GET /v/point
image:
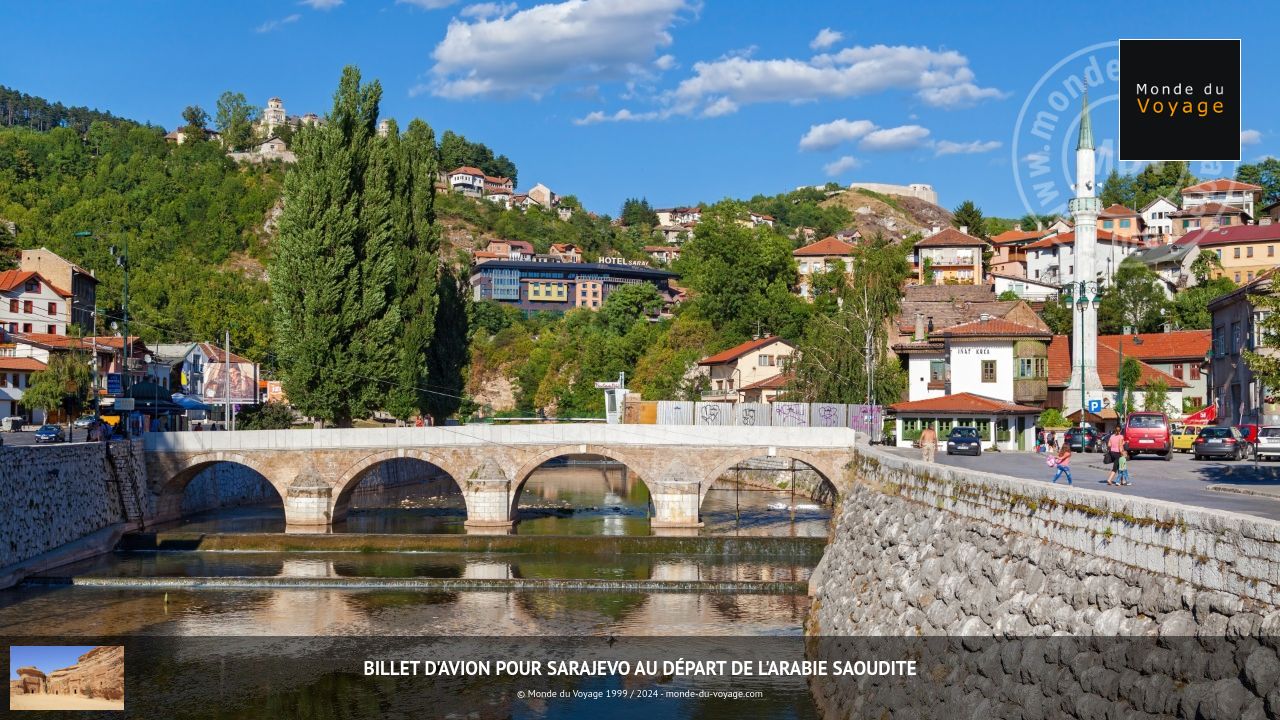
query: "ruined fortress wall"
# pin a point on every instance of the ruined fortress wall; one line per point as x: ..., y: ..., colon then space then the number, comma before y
x: 995, y: 565
x: 57, y: 494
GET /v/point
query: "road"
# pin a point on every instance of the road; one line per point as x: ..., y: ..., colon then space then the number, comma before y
x: 28, y: 437
x: 1181, y: 480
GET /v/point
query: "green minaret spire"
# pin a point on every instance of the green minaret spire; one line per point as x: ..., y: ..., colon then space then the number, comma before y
x: 1086, y: 127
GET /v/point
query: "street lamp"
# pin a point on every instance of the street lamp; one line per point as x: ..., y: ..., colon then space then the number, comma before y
x: 122, y: 261
x: 1083, y: 295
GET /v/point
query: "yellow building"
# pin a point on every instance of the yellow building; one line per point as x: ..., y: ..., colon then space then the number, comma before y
x: 1246, y: 251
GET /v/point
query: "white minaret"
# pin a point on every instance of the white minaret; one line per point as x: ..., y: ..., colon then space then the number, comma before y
x: 1084, y: 336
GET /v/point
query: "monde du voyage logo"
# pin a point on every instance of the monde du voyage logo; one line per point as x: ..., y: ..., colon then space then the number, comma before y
x: 1179, y: 100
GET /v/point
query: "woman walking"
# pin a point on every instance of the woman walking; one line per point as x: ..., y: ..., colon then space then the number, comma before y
x: 1063, y: 464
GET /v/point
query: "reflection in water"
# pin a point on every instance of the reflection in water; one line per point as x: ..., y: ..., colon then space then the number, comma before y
x: 581, y: 496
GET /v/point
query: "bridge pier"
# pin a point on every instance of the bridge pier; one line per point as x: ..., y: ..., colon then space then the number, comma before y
x: 490, y: 506
x: 309, y: 506
x: 677, y: 495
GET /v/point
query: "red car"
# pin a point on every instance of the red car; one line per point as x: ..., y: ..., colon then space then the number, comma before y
x: 1148, y: 432
x: 1250, y: 433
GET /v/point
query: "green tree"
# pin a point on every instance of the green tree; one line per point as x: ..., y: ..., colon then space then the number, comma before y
x: 1189, y: 309
x: 234, y: 120
x: 267, y: 416
x: 844, y: 356
x: 1118, y: 189
x: 1265, y: 173
x: 1129, y: 376
x: 1057, y: 316
x: 196, y: 120
x: 1135, y: 298
x: 1008, y: 295
x: 1264, y: 361
x: 332, y: 279
x: 1155, y: 396
x: 628, y: 305
x: 967, y: 215
x: 449, y: 353
x: 637, y: 211
x: 65, y: 384
x: 742, y: 276
x: 1205, y: 265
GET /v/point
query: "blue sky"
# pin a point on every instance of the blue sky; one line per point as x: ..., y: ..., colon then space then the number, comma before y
x: 678, y: 101
x: 46, y: 658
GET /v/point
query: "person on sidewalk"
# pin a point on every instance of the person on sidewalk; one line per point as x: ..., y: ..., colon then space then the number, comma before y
x: 928, y: 443
x: 1122, y: 463
x: 1115, y: 449
x: 1063, y: 464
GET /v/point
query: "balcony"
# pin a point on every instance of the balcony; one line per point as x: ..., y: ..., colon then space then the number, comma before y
x: 720, y: 396
x: 1030, y: 390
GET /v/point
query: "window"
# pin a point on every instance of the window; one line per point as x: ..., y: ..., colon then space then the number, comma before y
x: 765, y: 361
x: 1106, y: 224
x: 1248, y: 252
x: 26, y: 327
x: 1271, y: 251
x: 13, y: 305
x: 1177, y: 370
x: 28, y: 307
x: 1235, y: 338
x: 32, y: 286
x: 1249, y: 275
x: 937, y: 371
x: 1237, y: 277
x: 1226, y: 220
x: 1195, y: 371
x: 1219, y: 341
x: 1124, y: 223
x: 53, y: 329
x: 988, y: 371
x: 1235, y: 253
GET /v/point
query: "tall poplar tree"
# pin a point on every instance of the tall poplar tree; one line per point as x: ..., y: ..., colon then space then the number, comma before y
x: 325, y: 287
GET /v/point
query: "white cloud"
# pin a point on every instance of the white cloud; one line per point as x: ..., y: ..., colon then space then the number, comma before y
x: 270, y: 25
x: 829, y: 135
x: 623, y: 115
x: 534, y: 50
x: 487, y: 10
x: 666, y: 62
x: 902, y: 137
x: 1250, y: 137
x: 428, y: 4
x: 722, y: 106
x: 825, y: 38
x: 947, y: 147
x: 940, y: 78
x: 844, y: 164
x: 321, y: 4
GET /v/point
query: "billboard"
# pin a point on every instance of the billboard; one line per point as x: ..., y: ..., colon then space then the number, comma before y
x: 243, y: 380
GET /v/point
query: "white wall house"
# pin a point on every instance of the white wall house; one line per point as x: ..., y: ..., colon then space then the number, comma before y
x: 467, y: 180
x: 1157, y: 219
x: 1052, y: 260
x: 1223, y: 191
x: 1025, y: 288
x: 31, y: 304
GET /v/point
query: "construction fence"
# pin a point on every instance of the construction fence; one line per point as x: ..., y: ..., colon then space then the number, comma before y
x: 865, y: 418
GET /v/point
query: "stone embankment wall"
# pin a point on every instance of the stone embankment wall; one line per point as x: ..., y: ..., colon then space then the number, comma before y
x: 1000, y: 564
x: 54, y: 495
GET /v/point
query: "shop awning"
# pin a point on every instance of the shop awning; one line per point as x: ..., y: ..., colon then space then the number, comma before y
x: 188, y: 403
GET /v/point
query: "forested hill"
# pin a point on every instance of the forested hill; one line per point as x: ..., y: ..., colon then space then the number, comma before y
x: 20, y: 109
x: 194, y: 222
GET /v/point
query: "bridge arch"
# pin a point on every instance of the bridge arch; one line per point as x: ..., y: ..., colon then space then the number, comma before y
x: 351, y: 477
x: 826, y: 471
x: 171, y: 489
x: 632, y: 463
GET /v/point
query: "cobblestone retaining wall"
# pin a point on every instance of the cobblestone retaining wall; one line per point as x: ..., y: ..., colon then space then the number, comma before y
x: 53, y: 495
x: 930, y: 550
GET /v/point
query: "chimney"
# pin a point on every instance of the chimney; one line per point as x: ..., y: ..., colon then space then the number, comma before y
x: 984, y: 317
x: 1039, y: 225
x: 964, y: 229
x: 1018, y: 227
x: 936, y: 230
x: 920, y: 331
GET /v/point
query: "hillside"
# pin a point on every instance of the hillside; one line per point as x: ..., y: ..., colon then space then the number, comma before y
x: 897, y: 216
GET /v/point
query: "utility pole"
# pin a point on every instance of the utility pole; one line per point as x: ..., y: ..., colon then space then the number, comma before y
x: 229, y: 418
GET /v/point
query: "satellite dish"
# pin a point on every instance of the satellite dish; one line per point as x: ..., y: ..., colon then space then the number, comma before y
x: 147, y: 357
x: 115, y: 326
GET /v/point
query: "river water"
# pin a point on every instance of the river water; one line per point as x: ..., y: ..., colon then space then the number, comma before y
x: 568, y: 500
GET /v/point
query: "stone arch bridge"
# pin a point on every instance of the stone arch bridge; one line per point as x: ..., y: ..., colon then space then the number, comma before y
x: 315, y: 471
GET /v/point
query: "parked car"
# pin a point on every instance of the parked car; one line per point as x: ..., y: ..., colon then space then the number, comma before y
x: 1083, y: 440
x: 1185, y: 436
x: 84, y: 421
x: 964, y: 440
x: 1148, y: 432
x: 49, y: 433
x: 13, y: 423
x: 1268, y: 443
x: 1250, y: 433
x: 1224, y: 442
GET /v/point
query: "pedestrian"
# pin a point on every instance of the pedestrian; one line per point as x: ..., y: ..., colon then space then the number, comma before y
x: 1123, y: 464
x: 1051, y: 442
x: 1063, y: 464
x: 928, y: 443
x: 1115, y: 451
x: 1039, y: 439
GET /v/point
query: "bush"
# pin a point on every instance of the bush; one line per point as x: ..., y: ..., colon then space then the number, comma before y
x: 911, y: 435
x: 1053, y: 418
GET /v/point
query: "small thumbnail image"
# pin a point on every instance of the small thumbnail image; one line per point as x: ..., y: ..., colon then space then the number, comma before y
x: 66, y: 677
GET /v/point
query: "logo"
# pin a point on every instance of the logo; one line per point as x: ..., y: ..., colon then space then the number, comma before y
x: 1180, y: 100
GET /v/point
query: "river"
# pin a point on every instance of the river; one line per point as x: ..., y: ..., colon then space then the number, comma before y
x: 568, y: 595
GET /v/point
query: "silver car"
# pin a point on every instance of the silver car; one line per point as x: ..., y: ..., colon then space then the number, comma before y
x: 1268, y: 442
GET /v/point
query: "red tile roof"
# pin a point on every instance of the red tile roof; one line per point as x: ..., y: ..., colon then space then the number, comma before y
x: 1012, y: 236
x: 995, y: 327
x: 25, y: 364
x: 1157, y: 347
x: 1117, y: 210
x: 1230, y: 235
x: 1209, y: 208
x: 738, y: 351
x: 1219, y: 185
x: 963, y: 404
x: 826, y: 246
x: 48, y: 340
x: 1069, y: 238
x: 1108, y: 366
x: 15, y: 279
x: 467, y: 169
x: 951, y: 237
x: 775, y: 382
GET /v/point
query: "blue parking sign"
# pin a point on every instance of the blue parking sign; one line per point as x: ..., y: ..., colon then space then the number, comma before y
x: 1094, y: 406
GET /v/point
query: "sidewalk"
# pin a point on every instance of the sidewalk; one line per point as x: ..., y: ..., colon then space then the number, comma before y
x: 1266, y: 491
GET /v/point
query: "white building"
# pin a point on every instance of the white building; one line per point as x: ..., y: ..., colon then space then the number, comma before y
x: 31, y: 304
x: 467, y: 180
x: 1053, y: 259
x: 1157, y: 219
x: 1024, y: 288
x: 1223, y: 191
